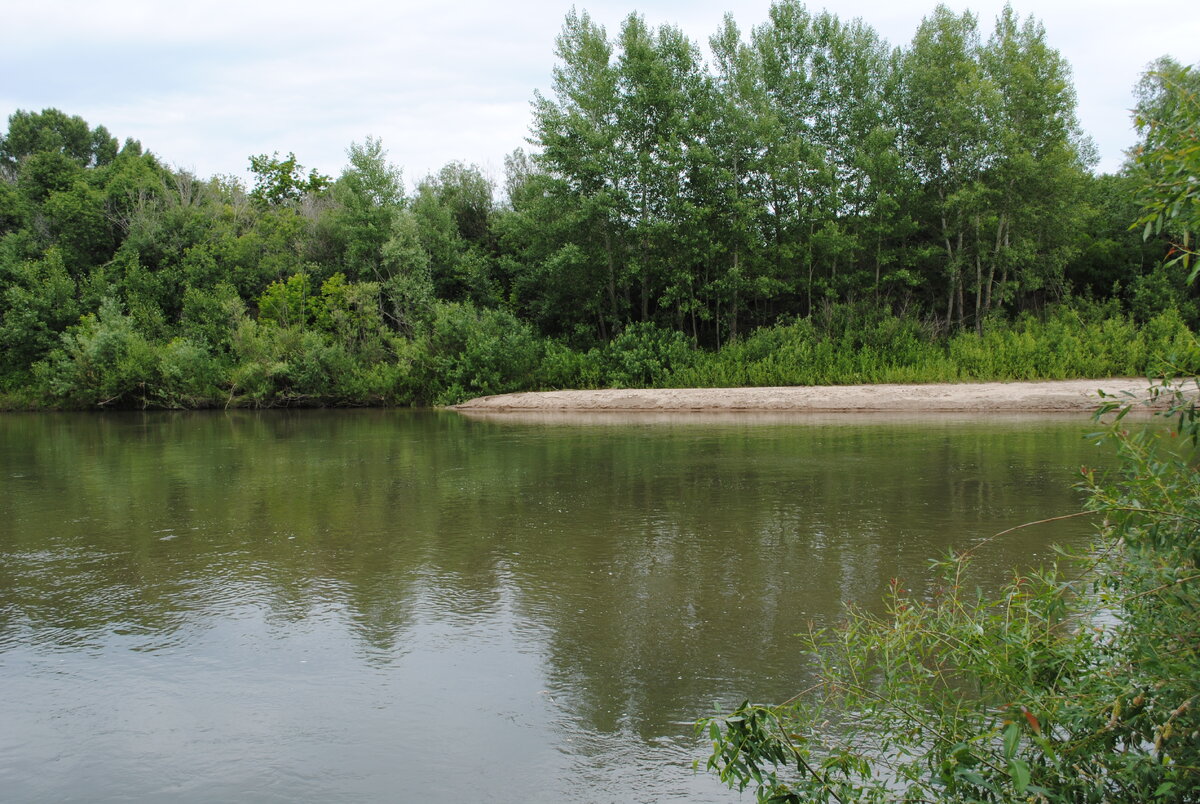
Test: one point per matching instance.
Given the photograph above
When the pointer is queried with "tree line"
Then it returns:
(805, 183)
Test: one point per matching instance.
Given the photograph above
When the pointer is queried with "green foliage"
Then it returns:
(644, 356)
(188, 375)
(408, 289)
(210, 317)
(290, 302)
(370, 195)
(847, 346)
(12, 208)
(452, 215)
(471, 352)
(350, 312)
(1167, 160)
(102, 361)
(809, 205)
(282, 366)
(52, 132)
(279, 182)
(36, 306)
(1078, 683)
(41, 174)
(860, 345)
(1070, 343)
(1156, 290)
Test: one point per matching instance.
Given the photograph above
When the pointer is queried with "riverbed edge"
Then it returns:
(1039, 396)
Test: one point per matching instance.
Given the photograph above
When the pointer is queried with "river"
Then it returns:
(421, 606)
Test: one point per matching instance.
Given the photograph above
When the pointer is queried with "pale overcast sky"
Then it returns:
(206, 84)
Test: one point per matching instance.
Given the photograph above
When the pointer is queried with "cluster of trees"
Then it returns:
(673, 206)
(812, 164)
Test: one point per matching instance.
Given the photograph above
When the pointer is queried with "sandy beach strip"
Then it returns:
(1007, 397)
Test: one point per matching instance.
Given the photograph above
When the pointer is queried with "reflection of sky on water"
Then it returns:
(355, 605)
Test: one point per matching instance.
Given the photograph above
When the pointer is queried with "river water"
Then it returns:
(420, 606)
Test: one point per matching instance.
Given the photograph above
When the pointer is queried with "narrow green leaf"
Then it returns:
(1012, 735)
(1020, 774)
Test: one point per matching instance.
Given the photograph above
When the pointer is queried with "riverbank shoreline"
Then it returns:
(1043, 396)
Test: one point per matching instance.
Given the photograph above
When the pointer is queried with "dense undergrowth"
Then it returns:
(340, 356)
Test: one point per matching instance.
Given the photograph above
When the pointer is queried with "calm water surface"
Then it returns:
(419, 606)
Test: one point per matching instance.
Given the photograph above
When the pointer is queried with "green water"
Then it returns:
(419, 606)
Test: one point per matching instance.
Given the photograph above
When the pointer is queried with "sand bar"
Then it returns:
(1000, 397)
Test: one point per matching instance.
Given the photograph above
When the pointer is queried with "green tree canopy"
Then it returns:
(1167, 160)
(52, 131)
(282, 181)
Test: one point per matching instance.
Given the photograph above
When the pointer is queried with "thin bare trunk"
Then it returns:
(951, 267)
(645, 264)
(987, 299)
(978, 281)
(950, 305)
(1004, 273)
(959, 282)
(612, 275)
(733, 312)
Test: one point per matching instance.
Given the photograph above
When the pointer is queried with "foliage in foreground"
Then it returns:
(1078, 683)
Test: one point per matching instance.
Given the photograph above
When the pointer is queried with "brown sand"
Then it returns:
(999, 397)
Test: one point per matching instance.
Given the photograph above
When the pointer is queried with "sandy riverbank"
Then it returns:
(1001, 397)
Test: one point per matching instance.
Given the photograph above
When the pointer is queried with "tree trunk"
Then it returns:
(733, 311)
(987, 299)
(958, 281)
(612, 276)
(978, 281)
(951, 268)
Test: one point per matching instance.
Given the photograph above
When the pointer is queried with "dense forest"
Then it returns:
(804, 203)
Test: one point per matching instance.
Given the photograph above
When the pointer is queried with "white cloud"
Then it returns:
(207, 84)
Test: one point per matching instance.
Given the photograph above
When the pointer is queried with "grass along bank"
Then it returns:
(463, 351)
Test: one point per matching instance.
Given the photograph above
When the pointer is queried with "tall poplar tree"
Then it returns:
(577, 132)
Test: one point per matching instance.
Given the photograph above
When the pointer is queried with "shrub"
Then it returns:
(37, 303)
(103, 360)
(188, 376)
(471, 352)
(644, 355)
(289, 303)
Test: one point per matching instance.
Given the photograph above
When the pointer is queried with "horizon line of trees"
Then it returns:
(670, 198)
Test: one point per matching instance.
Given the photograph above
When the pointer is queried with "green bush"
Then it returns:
(188, 376)
(563, 367)
(644, 356)
(471, 352)
(388, 382)
(289, 303)
(37, 303)
(318, 371)
(210, 316)
(102, 361)
(291, 366)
